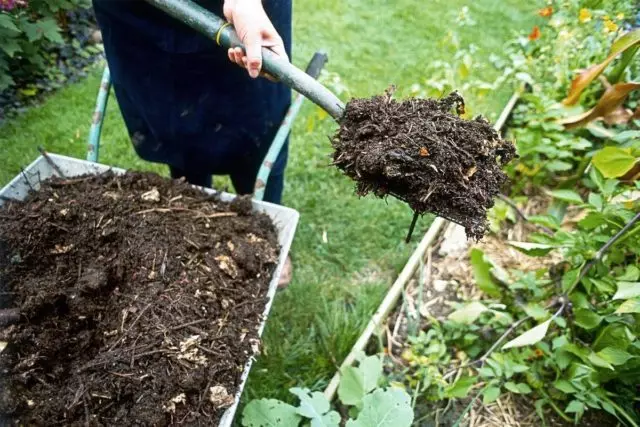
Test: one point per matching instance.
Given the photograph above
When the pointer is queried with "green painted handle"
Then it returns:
(209, 24)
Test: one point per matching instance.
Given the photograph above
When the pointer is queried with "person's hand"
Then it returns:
(255, 30)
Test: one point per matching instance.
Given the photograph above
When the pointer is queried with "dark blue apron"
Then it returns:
(184, 103)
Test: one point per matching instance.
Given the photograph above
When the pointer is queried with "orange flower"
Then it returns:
(546, 12)
(535, 33)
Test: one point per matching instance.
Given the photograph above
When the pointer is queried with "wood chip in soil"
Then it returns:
(140, 300)
(422, 152)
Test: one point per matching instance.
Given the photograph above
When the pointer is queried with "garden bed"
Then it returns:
(421, 343)
(140, 300)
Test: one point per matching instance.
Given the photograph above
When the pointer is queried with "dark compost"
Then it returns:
(139, 300)
(422, 152)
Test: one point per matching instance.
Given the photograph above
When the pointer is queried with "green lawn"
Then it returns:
(337, 283)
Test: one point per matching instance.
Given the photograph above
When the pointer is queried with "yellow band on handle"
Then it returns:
(225, 25)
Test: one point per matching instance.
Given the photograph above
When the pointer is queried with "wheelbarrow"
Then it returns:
(208, 23)
(285, 219)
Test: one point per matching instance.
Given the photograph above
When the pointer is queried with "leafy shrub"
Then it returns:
(31, 39)
(567, 335)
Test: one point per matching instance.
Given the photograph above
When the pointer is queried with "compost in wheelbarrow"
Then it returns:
(140, 301)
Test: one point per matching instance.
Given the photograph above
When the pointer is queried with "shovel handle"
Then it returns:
(209, 24)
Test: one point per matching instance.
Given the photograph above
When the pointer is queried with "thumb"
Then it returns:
(253, 48)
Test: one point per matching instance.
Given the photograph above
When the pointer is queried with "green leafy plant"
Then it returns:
(27, 31)
(565, 335)
(358, 390)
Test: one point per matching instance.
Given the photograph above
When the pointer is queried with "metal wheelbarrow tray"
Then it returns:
(285, 220)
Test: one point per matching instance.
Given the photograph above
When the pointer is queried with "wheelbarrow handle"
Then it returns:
(316, 64)
(224, 34)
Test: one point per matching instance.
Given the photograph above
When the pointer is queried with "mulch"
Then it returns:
(138, 301)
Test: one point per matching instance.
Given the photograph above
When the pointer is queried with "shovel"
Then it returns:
(209, 24)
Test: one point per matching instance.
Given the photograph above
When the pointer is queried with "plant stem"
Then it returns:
(491, 349)
(411, 227)
(521, 214)
(604, 250)
(559, 411)
(470, 405)
(620, 411)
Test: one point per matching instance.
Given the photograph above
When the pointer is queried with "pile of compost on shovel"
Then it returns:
(422, 152)
(139, 301)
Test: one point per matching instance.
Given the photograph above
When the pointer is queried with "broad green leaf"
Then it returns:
(461, 387)
(560, 321)
(564, 386)
(530, 337)
(592, 220)
(596, 200)
(50, 30)
(351, 387)
(536, 311)
(358, 381)
(626, 135)
(587, 319)
(569, 279)
(575, 406)
(603, 286)
(469, 313)
(631, 274)
(611, 100)
(546, 220)
(600, 362)
(7, 22)
(519, 368)
(32, 30)
(520, 388)
(269, 413)
(568, 196)
(615, 356)
(495, 366)
(482, 273)
(371, 367)
(614, 335)
(627, 56)
(384, 408)
(532, 249)
(608, 407)
(560, 341)
(627, 290)
(490, 394)
(10, 47)
(583, 80)
(629, 306)
(558, 166)
(563, 359)
(614, 162)
(597, 178)
(316, 407)
(486, 372)
(579, 299)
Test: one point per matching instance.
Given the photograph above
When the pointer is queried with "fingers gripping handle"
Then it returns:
(225, 35)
